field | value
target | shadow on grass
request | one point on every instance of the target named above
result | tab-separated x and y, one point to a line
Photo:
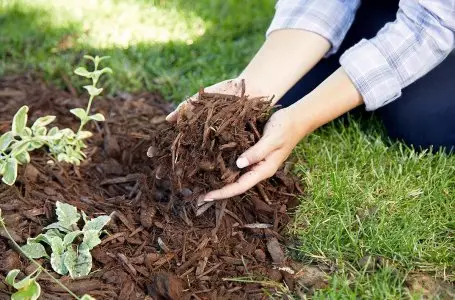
29	40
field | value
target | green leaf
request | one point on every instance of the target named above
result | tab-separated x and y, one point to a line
58	263
93	91
35	145
91	238
40	131
52	131
81	71
56	245
89	57
43	121
34	250
19	147
2	166
5	140
27	132
58	226
87	297
97	223
20	120
84	135
67	214
44	237
31	292
100	59
10	171
69	238
11	277
79	112
97	117
78	264
63	157
23	158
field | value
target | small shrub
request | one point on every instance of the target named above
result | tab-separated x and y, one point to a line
63	144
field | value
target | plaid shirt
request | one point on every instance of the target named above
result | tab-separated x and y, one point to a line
422	36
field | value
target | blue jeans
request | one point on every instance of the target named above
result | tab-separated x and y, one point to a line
424	115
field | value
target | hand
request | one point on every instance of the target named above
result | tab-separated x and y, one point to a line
281	135
231	86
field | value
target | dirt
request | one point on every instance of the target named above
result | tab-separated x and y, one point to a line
160	244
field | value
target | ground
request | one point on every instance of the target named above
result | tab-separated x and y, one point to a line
365	196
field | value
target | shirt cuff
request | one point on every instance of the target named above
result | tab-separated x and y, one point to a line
375	79
331	21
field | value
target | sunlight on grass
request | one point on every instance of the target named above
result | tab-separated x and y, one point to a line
108	23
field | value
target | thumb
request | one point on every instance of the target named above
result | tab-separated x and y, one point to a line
256	153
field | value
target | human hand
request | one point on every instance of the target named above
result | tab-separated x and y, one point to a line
281	135
231	86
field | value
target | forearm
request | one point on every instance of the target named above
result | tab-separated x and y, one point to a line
285	57
331	99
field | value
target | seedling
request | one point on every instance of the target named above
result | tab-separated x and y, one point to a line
67	255
28	288
63	144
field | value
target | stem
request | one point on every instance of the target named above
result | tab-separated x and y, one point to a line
2	224
89	105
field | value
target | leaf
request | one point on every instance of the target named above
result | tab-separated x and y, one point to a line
58	263
91	238
11	277
81	71
97	117
58	226
52	131
69	238
32	292
5	140
23	158
43	121
97	223
67	214
78	264
40	131
27	132
79	112
34	250
20	120
10	171
100	59
44	237
35	145
89	57
87	297
56	245
2	166
19	147
93	91
84	135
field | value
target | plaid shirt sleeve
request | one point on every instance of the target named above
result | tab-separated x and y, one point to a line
329	18
422	36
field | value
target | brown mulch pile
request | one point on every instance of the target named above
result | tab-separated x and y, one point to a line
157	248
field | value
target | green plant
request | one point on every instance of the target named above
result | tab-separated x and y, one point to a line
68	256
28	288
63	144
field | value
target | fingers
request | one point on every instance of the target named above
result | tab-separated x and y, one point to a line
258	152
244	183
172	117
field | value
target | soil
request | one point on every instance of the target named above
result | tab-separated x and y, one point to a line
162	243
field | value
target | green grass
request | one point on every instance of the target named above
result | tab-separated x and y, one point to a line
364	195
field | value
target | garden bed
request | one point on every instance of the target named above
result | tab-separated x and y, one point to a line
157	247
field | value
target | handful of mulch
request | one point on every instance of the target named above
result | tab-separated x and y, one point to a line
198	153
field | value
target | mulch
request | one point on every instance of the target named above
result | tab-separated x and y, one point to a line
163	242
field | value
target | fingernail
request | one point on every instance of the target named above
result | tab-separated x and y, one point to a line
242	162
208	199
169	116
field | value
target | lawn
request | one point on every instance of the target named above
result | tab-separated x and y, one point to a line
365	196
